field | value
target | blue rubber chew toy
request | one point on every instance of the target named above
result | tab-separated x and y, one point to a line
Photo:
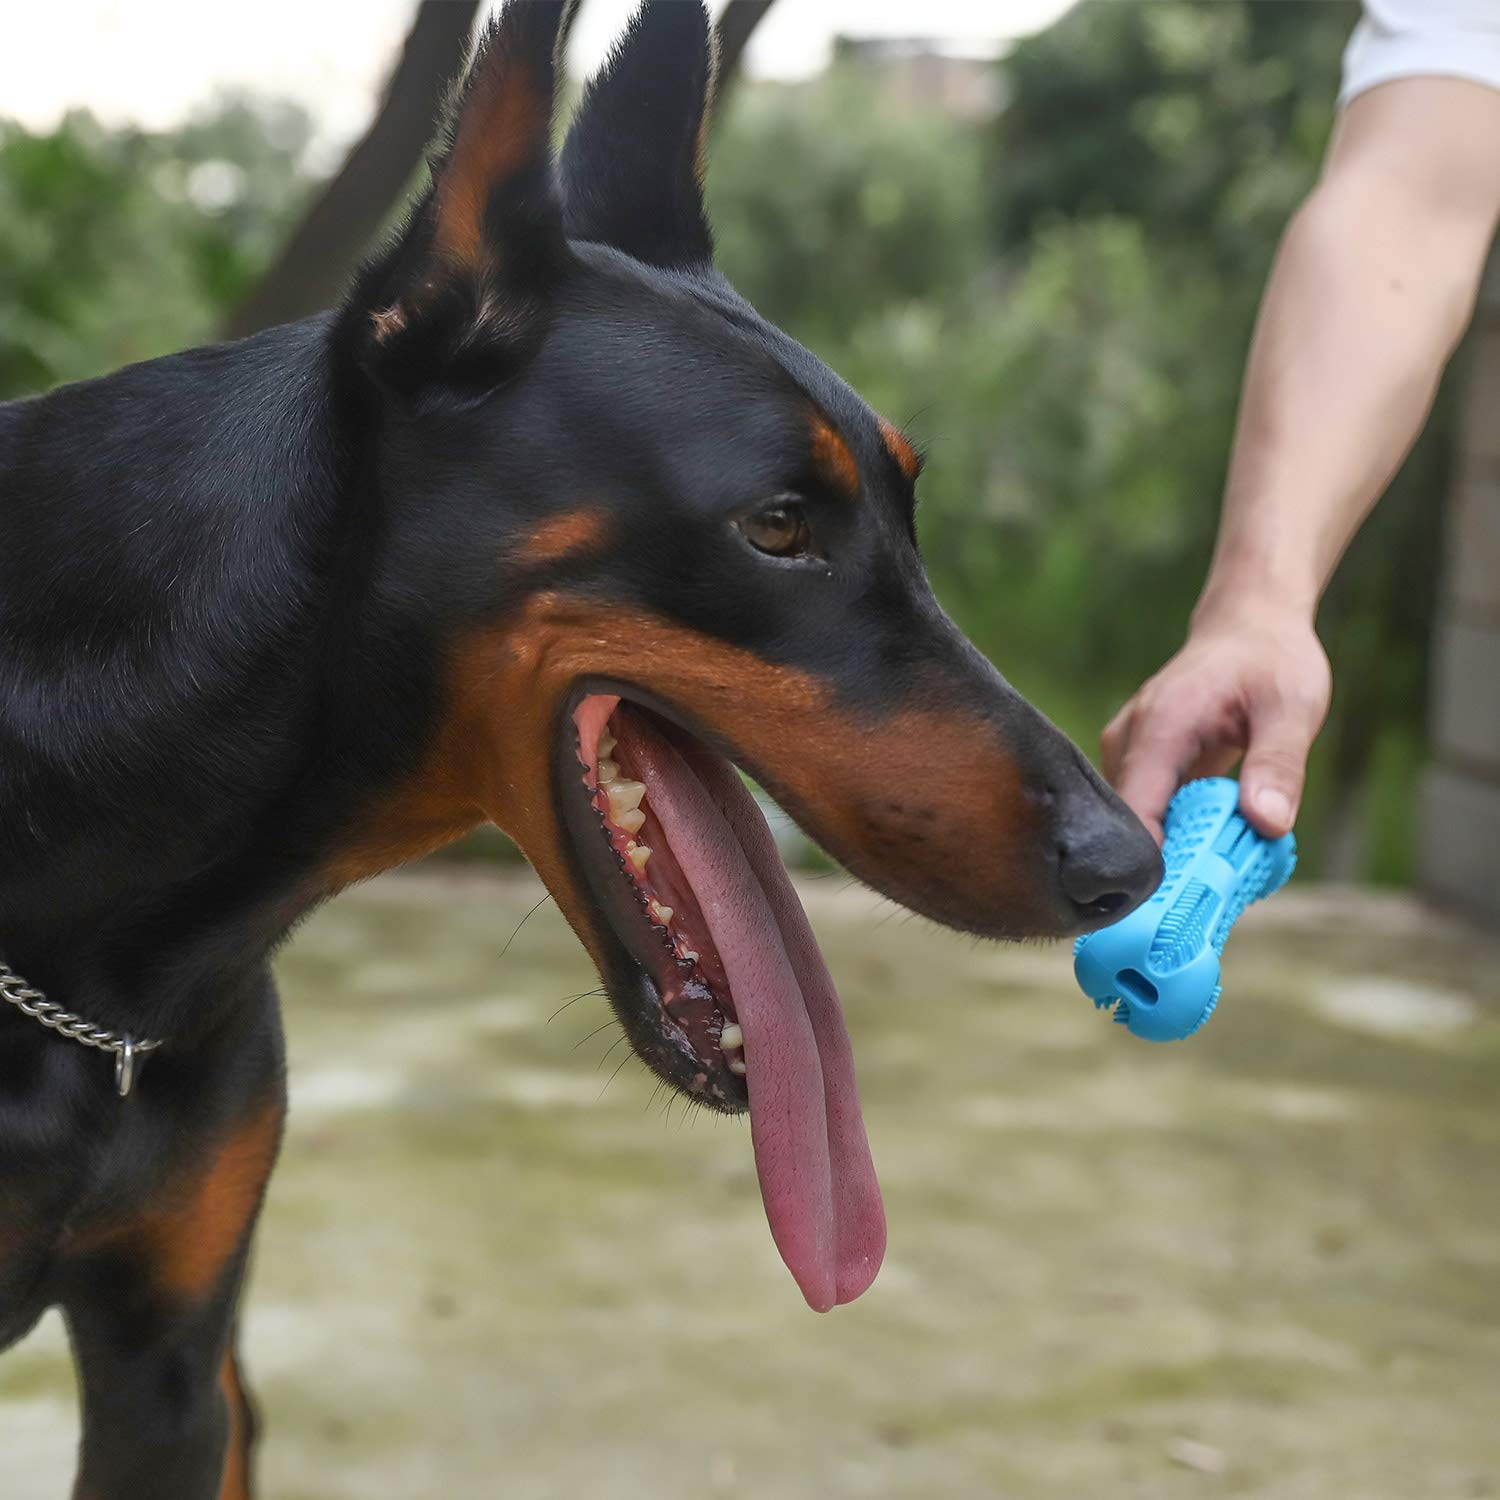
1158	968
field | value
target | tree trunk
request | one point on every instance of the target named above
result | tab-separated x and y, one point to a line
736	24
323	250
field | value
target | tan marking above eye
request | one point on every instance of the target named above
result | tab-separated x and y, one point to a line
832	458
567	535
899	447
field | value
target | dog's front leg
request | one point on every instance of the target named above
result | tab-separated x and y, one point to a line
151	1312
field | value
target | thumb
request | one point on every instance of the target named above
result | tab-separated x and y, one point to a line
1276	766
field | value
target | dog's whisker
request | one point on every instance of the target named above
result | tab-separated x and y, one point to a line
595	1032
610	1049
546	897
628	1056
597	990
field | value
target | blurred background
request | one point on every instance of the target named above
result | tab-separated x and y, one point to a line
1268	1263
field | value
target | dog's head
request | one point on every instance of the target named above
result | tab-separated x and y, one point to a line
656	536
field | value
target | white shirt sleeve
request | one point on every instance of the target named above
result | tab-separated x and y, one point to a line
1423	38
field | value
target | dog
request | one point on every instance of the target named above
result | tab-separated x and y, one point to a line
543	526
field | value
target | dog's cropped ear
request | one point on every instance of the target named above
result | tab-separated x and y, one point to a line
632	165
461	297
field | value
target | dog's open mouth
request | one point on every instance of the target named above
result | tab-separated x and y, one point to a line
726	994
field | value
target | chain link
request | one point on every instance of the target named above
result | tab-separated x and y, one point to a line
15	991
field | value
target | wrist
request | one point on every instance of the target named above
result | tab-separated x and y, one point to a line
1237	596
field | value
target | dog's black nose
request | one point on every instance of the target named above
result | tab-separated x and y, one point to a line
1107	864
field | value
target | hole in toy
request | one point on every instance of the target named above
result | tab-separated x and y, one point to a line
1135	986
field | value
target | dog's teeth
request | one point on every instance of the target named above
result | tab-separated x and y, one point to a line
663	914
737	1065
688	956
630	821
608	772
624	796
731	1037
607	742
638	854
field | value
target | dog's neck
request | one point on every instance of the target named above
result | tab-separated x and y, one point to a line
190	699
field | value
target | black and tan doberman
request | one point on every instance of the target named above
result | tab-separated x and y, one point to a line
545	527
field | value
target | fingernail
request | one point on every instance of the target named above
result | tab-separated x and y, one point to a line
1275	807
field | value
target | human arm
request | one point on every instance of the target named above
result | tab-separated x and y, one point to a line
1372	288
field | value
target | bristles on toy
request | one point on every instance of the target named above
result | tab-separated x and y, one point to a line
1158	970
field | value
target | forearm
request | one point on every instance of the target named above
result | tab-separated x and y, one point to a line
1372	289
1344	366
1373	286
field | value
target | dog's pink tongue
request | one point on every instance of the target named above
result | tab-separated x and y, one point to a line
816	1177
859	1212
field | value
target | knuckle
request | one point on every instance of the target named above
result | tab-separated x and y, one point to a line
1278	763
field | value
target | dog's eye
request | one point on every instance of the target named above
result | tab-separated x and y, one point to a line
780	529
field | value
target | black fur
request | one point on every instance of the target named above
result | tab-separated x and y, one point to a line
631	165
229	584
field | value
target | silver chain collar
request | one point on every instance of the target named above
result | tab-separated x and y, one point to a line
127	1049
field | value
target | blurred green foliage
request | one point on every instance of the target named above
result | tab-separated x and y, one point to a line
1056	303
119	245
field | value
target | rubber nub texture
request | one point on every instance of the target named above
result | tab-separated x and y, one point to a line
1157	970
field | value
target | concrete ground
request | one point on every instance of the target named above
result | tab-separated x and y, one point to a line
1265	1262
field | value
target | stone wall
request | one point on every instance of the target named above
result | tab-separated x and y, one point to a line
1460	816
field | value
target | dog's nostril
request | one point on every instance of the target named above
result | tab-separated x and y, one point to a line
1107	876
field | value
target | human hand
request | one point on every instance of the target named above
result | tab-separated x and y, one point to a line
1251	680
